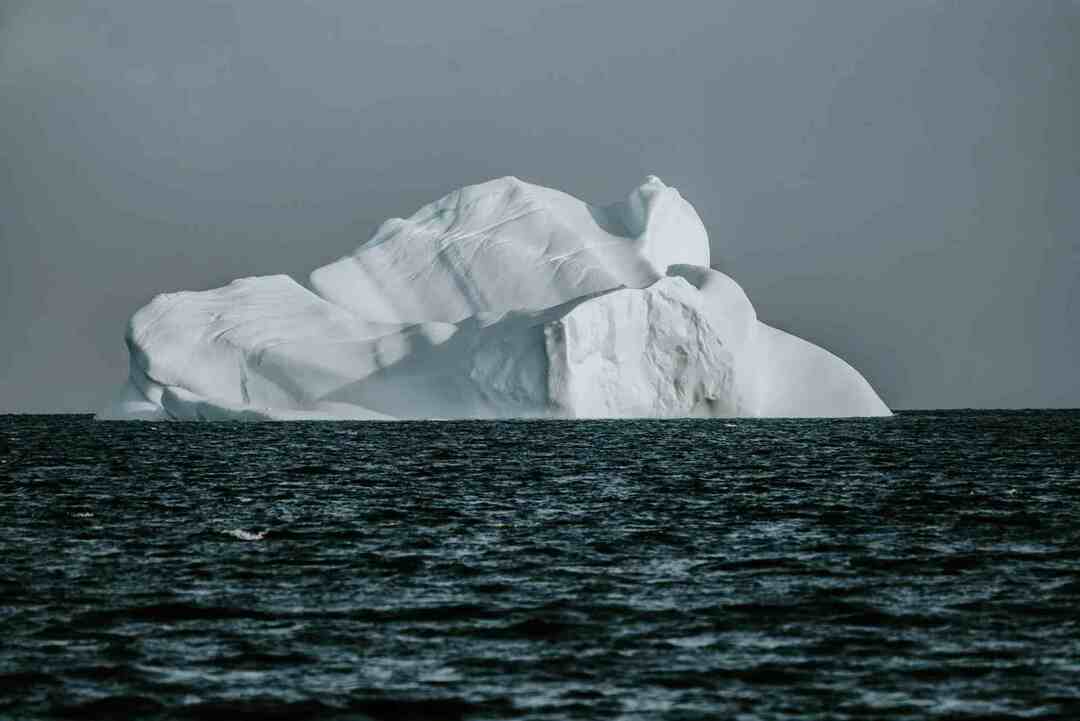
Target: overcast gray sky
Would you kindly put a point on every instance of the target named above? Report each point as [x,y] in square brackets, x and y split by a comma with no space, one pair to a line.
[898,181]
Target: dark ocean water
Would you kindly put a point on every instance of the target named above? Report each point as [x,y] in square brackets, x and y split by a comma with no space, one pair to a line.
[924,566]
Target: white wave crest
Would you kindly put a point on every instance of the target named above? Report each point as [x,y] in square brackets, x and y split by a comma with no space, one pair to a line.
[241,534]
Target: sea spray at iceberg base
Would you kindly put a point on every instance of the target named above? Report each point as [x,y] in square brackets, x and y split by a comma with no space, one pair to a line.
[500,300]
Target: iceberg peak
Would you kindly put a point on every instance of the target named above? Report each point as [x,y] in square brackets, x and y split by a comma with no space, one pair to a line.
[506,244]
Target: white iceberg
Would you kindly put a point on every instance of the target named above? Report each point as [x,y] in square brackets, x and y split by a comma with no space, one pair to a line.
[503,299]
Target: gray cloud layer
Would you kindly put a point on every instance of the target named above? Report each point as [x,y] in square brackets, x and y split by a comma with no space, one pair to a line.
[897,181]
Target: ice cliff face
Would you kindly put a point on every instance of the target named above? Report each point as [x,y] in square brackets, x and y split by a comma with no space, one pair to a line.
[503,299]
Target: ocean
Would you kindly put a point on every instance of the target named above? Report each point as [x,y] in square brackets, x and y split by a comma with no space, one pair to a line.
[922,566]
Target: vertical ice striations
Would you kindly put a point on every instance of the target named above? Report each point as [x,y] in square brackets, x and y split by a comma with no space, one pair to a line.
[503,299]
[640,353]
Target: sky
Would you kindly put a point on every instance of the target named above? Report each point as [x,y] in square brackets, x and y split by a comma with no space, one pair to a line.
[897,181]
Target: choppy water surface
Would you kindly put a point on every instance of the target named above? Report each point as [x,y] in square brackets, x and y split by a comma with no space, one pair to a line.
[925,566]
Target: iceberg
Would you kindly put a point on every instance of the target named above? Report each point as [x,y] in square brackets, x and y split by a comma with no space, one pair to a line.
[500,300]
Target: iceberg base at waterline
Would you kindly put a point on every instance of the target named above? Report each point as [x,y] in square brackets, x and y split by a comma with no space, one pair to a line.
[500,300]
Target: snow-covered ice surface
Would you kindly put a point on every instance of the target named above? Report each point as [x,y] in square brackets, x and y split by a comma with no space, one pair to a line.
[503,299]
